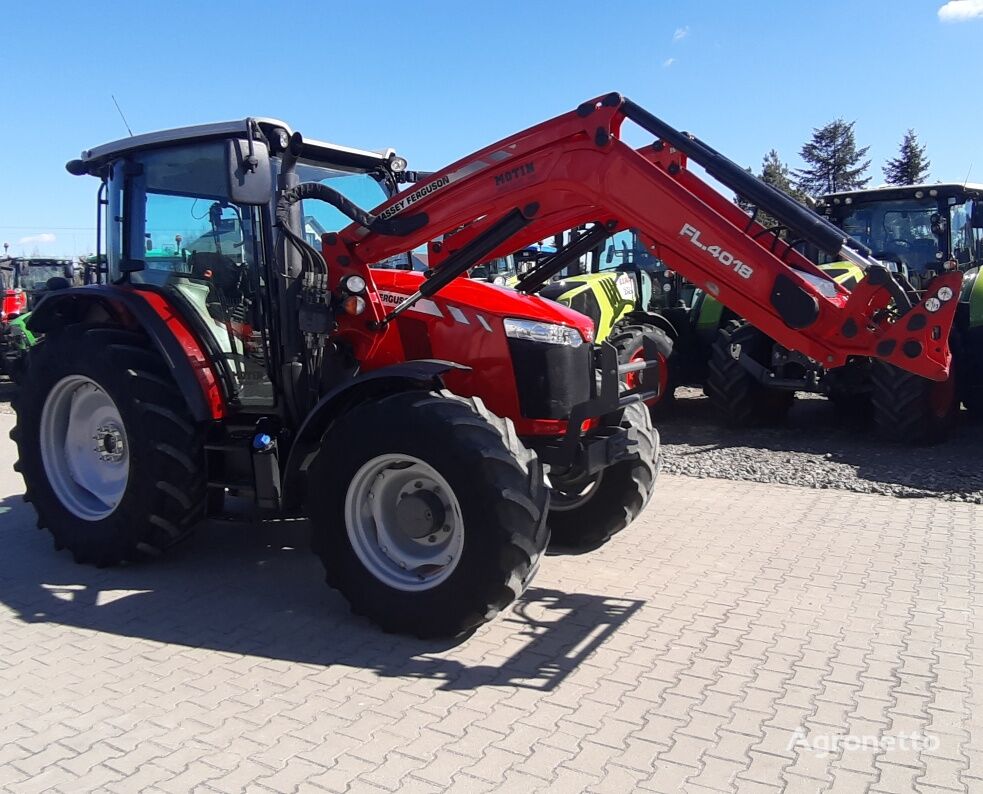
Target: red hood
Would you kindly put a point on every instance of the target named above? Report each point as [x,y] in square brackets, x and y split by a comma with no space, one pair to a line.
[488,299]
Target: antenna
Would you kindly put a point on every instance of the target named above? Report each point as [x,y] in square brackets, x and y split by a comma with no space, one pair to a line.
[121,115]
[966,180]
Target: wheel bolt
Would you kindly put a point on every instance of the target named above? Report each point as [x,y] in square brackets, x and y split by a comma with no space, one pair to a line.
[432,538]
[418,484]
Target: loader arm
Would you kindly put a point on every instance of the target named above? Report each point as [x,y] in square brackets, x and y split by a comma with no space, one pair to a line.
[575,170]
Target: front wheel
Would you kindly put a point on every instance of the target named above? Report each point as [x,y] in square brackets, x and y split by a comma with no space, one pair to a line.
[428,512]
[587,511]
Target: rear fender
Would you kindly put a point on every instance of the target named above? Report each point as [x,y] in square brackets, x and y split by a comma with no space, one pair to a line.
[126,308]
[422,374]
[657,320]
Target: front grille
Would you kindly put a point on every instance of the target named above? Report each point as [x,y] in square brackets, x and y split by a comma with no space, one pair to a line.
[551,379]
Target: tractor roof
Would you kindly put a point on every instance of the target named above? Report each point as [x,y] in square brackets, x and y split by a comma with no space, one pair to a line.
[888,192]
[314,150]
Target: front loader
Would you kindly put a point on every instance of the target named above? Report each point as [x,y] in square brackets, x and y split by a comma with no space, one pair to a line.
[435,430]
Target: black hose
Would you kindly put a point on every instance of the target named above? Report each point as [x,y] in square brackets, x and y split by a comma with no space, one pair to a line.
[398,226]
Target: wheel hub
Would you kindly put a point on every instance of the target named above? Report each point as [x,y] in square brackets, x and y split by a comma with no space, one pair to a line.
[420,514]
[110,443]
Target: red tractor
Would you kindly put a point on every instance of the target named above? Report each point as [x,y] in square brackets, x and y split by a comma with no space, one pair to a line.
[436,430]
[13,303]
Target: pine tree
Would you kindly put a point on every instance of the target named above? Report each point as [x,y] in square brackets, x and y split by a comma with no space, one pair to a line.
[777,174]
[835,163]
[910,166]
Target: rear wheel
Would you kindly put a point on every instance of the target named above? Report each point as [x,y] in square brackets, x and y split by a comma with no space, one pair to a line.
[630,343]
[110,456]
[428,512]
[586,511]
[735,393]
[909,409]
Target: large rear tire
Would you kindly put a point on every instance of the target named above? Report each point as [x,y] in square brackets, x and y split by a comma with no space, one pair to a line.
[736,395]
[909,409]
[428,512]
[111,457]
[586,512]
[629,340]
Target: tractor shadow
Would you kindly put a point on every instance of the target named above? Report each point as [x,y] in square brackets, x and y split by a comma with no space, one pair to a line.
[256,589]
[815,432]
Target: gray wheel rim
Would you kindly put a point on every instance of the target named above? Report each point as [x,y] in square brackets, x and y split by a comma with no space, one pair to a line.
[394,552]
[84,448]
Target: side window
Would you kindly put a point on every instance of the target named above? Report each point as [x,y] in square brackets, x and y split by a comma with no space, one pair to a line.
[618,251]
[964,238]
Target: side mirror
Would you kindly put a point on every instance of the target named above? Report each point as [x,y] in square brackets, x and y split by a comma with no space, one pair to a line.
[249,172]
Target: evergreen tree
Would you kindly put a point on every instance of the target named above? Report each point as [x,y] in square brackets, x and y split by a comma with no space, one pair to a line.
[777,174]
[911,165]
[834,161]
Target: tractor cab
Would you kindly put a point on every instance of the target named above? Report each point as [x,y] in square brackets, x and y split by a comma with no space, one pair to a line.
[917,230]
[189,214]
[37,275]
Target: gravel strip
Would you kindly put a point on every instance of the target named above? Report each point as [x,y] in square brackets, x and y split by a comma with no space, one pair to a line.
[818,448]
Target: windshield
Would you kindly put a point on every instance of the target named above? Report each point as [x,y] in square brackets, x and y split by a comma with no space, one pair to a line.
[625,250]
[319,217]
[905,230]
[35,277]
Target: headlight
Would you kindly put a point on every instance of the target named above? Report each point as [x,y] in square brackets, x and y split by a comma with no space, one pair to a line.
[354,284]
[397,164]
[548,333]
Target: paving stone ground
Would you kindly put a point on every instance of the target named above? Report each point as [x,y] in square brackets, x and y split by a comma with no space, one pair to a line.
[740,636]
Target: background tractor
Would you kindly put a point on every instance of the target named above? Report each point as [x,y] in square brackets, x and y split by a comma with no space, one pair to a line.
[917,231]
[29,279]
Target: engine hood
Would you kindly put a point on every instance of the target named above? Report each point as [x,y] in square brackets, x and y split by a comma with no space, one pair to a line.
[485,298]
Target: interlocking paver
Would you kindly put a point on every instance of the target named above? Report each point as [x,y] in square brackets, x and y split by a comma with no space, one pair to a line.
[736,617]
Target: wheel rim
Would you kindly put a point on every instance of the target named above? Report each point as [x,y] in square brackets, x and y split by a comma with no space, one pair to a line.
[633,380]
[84,448]
[572,494]
[404,522]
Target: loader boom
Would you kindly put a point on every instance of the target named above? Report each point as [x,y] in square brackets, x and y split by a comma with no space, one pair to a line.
[575,170]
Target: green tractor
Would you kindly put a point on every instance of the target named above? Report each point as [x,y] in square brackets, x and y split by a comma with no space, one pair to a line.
[643,308]
[917,231]
[25,281]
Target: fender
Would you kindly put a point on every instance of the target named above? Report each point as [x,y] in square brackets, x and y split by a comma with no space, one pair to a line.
[127,308]
[419,374]
[660,321]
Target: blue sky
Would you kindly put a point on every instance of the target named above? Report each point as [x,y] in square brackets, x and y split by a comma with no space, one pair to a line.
[437,80]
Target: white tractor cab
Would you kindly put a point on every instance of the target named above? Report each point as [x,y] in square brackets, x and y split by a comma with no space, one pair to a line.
[207,246]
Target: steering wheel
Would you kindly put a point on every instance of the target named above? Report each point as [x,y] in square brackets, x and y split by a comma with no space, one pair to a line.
[898,242]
